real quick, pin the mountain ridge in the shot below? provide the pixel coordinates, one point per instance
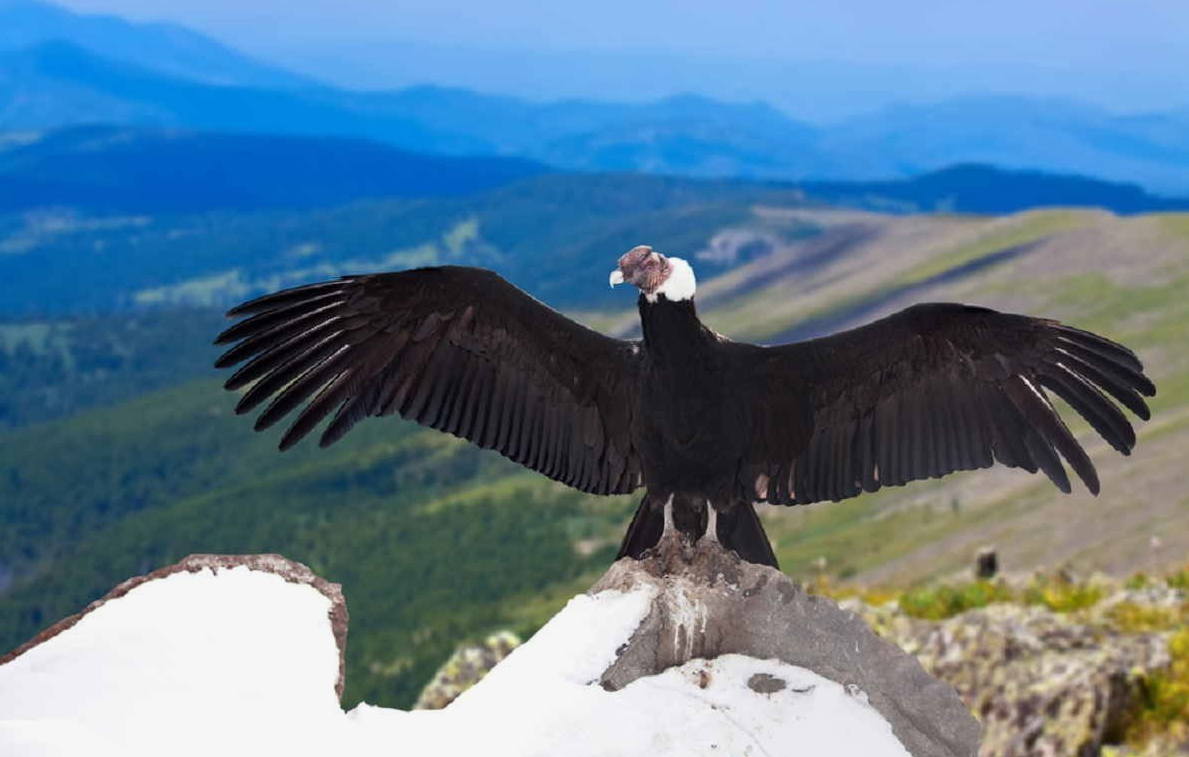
(109, 169)
(55, 84)
(170, 48)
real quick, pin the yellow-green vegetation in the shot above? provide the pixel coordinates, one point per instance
(1059, 593)
(1164, 711)
(1180, 579)
(946, 600)
(1134, 617)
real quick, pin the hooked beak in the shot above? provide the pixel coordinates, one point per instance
(616, 277)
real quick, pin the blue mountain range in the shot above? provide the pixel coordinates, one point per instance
(60, 69)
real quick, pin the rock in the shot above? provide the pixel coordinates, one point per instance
(708, 603)
(1042, 683)
(986, 563)
(1156, 597)
(465, 668)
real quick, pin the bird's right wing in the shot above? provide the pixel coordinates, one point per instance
(454, 348)
(930, 390)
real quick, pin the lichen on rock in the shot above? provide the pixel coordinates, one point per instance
(465, 668)
(1041, 682)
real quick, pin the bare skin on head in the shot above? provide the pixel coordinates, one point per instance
(654, 274)
(643, 268)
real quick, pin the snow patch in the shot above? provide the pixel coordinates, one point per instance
(242, 661)
(180, 665)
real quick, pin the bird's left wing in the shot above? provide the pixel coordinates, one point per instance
(933, 389)
(454, 348)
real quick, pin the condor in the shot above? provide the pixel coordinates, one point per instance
(705, 425)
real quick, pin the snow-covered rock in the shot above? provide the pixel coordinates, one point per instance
(235, 655)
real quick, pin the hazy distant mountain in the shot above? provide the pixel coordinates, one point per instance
(56, 84)
(59, 84)
(512, 124)
(120, 169)
(1017, 132)
(105, 169)
(973, 188)
(167, 48)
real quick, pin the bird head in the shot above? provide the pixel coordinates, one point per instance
(654, 274)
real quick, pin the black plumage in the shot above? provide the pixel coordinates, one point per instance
(695, 418)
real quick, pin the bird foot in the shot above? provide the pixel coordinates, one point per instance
(673, 548)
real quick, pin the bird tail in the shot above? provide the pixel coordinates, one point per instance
(645, 529)
(739, 529)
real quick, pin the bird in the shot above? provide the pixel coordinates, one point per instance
(706, 426)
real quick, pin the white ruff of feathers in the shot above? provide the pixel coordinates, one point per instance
(680, 285)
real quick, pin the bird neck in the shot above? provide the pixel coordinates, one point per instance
(671, 329)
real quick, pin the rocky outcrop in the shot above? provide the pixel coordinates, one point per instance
(708, 603)
(1042, 683)
(465, 668)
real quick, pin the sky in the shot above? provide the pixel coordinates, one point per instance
(1123, 55)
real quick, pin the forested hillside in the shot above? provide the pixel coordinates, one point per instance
(54, 368)
(549, 233)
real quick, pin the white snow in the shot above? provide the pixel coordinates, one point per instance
(243, 662)
(181, 665)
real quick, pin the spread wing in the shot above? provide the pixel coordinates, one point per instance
(457, 349)
(931, 390)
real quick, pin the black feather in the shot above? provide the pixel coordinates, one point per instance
(300, 390)
(1110, 381)
(1043, 419)
(1092, 405)
(287, 297)
(270, 319)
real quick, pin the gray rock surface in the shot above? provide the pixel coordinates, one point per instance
(709, 603)
(1044, 683)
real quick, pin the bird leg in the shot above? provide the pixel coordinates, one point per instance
(669, 526)
(711, 523)
(672, 540)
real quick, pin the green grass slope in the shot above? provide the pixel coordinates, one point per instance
(1122, 277)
